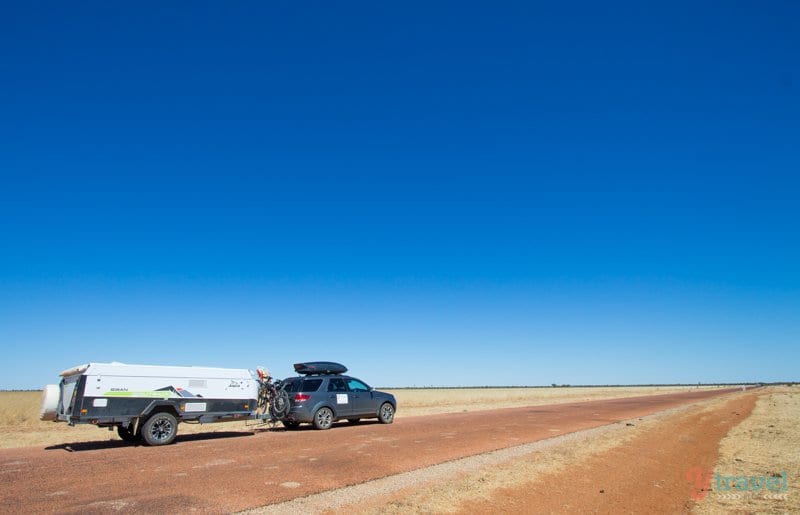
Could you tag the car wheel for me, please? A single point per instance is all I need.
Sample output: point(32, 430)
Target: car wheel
point(353, 420)
point(323, 418)
point(160, 429)
point(127, 435)
point(386, 413)
point(288, 424)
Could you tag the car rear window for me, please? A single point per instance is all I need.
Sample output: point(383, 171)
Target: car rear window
point(311, 385)
point(290, 386)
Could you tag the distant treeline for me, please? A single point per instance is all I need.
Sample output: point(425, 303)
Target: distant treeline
point(554, 385)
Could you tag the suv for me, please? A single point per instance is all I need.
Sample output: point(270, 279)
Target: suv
point(321, 396)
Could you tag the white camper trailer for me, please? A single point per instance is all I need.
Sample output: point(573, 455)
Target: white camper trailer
point(148, 402)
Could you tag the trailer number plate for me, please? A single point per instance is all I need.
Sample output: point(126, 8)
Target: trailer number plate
point(100, 403)
point(195, 406)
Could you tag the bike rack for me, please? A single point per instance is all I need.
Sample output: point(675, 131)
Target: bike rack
point(260, 419)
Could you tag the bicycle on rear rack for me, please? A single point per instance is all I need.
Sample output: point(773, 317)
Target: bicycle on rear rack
point(272, 398)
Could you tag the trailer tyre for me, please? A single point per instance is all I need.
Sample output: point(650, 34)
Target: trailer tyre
point(127, 435)
point(160, 429)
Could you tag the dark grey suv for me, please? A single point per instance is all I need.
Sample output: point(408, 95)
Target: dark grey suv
point(323, 395)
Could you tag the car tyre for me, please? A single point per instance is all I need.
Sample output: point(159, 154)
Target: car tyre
point(323, 418)
point(386, 413)
point(127, 435)
point(160, 429)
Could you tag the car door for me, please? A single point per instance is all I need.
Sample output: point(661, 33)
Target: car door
point(339, 397)
point(361, 397)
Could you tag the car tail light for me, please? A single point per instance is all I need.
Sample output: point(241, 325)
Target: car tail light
point(300, 397)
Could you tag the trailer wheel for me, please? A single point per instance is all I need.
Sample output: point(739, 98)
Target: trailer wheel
point(323, 418)
point(160, 429)
point(127, 435)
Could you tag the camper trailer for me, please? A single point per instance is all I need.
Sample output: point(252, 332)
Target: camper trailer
point(147, 402)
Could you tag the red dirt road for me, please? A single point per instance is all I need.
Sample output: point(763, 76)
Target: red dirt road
point(645, 475)
point(235, 471)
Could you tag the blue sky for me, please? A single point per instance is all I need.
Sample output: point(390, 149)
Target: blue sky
point(450, 194)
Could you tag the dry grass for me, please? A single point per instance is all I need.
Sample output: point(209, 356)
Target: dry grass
point(20, 425)
point(18, 408)
point(767, 443)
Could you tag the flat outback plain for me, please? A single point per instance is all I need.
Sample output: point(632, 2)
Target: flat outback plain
point(531, 450)
point(20, 425)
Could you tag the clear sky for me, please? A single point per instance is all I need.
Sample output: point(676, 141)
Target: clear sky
point(433, 193)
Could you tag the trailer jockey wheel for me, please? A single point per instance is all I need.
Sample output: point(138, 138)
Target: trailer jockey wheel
point(160, 429)
point(127, 435)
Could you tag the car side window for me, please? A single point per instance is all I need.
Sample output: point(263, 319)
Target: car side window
point(336, 385)
point(311, 385)
point(357, 386)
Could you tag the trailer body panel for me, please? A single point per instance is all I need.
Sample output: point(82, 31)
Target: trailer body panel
point(108, 394)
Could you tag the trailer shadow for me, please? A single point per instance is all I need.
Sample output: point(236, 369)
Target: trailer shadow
point(88, 446)
point(118, 444)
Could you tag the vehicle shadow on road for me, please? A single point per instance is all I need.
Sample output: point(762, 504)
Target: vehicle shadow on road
point(308, 427)
point(116, 444)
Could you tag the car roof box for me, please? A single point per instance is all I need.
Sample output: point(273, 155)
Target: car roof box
point(319, 367)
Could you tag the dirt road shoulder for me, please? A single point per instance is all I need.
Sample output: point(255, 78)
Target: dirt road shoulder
point(758, 470)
